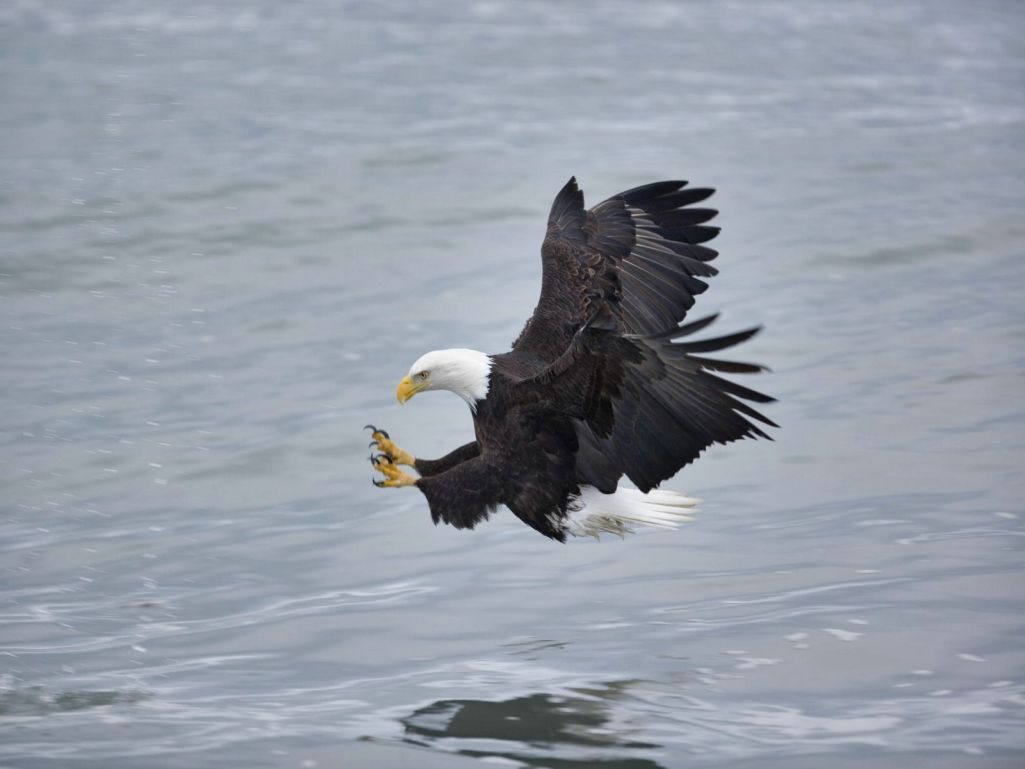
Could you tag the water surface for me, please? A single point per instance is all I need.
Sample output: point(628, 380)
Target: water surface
point(228, 231)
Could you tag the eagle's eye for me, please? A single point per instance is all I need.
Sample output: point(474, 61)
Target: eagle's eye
point(422, 375)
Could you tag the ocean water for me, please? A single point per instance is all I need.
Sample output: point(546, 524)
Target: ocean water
point(227, 230)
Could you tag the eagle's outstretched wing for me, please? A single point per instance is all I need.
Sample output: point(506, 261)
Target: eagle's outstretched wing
point(646, 405)
point(642, 247)
point(617, 281)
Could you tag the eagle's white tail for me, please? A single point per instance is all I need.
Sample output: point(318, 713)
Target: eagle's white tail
point(595, 513)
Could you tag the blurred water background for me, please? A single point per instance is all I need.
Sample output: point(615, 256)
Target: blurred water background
point(227, 229)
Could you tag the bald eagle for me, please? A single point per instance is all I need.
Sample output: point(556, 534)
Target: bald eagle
point(602, 382)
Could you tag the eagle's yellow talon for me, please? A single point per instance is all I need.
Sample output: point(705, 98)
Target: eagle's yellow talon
point(393, 476)
point(398, 456)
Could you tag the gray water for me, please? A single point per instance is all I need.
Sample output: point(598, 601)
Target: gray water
point(227, 231)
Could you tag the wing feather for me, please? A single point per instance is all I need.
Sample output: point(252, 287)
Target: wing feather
point(645, 243)
point(647, 407)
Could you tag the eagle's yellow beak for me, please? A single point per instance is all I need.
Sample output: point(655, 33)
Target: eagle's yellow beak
point(407, 389)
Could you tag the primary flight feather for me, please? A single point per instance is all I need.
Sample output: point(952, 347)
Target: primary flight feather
point(602, 382)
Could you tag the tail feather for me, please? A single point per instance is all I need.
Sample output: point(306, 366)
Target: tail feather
point(596, 513)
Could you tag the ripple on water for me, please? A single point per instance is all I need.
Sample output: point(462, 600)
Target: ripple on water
point(39, 701)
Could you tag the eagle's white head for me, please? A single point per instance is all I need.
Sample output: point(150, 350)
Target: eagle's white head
point(467, 373)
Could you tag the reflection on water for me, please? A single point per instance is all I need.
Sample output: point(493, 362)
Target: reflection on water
point(637, 723)
point(561, 725)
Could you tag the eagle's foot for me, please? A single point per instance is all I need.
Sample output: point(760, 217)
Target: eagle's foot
point(393, 477)
point(396, 455)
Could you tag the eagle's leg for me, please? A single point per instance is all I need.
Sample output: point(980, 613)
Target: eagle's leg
point(383, 441)
point(393, 476)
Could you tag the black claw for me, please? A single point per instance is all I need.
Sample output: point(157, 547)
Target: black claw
point(384, 433)
point(373, 443)
point(378, 484)
point(371, 428)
